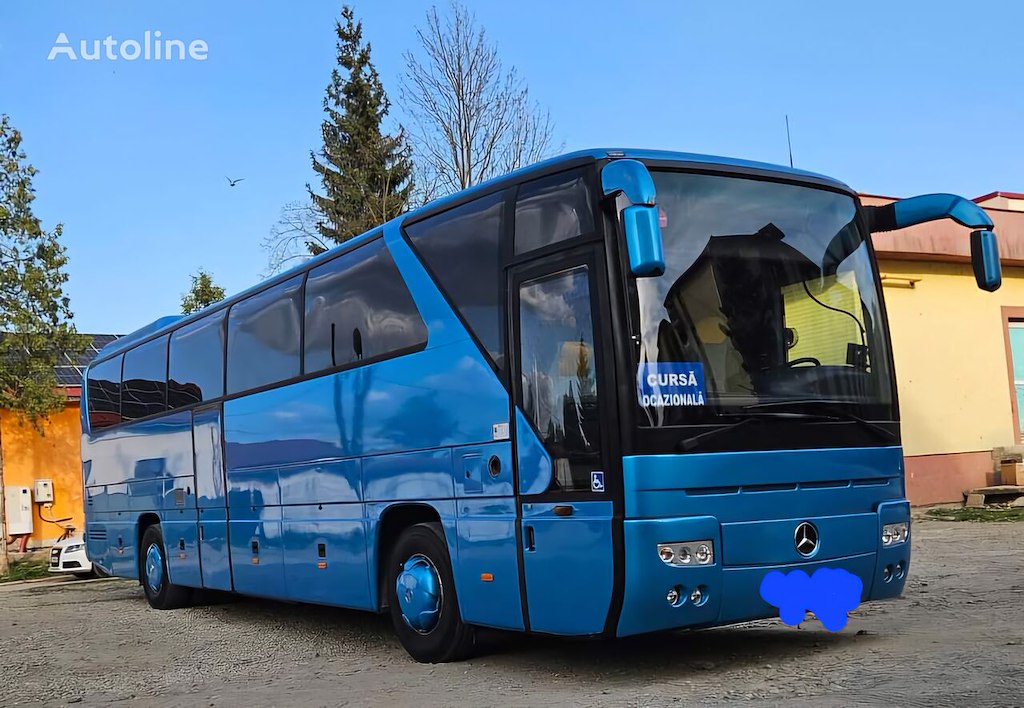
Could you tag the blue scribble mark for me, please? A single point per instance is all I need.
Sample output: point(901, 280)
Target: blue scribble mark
point(830, 594)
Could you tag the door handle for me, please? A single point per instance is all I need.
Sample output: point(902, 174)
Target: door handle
point(563, 510)
point(529, 541)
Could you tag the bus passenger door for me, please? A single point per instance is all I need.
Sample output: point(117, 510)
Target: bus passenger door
point(563, 391)
point(211, 498)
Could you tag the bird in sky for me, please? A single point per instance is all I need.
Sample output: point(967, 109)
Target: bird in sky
point(233, 182)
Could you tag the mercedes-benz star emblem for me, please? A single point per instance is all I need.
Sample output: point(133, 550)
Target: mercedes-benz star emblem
point(806, 539)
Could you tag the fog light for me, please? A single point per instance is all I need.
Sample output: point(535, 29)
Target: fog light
point(887, 573)
point(675, 596)
point(895, 533)
point(704, 554)
point(679, 553)
point(696, 597)
point(898, 571)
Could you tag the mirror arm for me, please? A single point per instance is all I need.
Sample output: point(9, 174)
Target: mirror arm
point(630, 178)
point(927, 207)
point(881, 218)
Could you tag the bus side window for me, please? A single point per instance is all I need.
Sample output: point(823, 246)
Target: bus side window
point(104, 391)
point(263, 337)
point(357, 308)
point(196, 367)
point(553, 209)
point(144, 380)
point(462, 249)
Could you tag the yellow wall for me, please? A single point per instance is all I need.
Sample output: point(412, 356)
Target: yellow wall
point(950, 357)
point(54, 455)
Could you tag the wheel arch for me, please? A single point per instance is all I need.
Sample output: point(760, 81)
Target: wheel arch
point(393, 520)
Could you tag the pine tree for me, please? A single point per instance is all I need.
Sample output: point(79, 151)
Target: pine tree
point(366, 173)
point(202, 293)
point(35, 316)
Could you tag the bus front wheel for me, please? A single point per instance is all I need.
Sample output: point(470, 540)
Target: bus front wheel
point(160, 593)
point(421, 598)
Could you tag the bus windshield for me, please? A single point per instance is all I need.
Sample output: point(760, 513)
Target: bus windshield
point(769, 299)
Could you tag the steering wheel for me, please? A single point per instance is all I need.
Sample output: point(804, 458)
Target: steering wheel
point(805, 360)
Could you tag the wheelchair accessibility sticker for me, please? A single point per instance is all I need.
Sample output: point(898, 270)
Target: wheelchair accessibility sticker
point(597, 481)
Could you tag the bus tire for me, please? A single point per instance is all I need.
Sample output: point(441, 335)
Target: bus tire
point(160, 593)
point(426, 616)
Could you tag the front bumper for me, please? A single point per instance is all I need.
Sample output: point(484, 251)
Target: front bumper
point(730, 589)
point(62, 561)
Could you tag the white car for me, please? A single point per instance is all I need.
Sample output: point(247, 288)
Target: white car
point(68, 556)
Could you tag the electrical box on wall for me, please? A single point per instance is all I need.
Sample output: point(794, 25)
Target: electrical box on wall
point(43, 491)
point(18, 510)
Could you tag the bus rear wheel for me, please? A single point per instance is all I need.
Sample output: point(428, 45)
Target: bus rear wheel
point(160, 593)
point(421, 598)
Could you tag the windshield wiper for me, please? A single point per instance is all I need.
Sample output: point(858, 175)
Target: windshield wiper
point(687, 444)
point(691, 443)
point(744, 419)
point(831, 410)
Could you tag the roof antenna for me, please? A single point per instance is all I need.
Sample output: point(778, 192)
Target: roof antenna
point(789, 141)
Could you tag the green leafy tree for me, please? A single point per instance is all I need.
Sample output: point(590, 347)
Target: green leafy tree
point(365, 172)
point(203, 292)
point(35, 315)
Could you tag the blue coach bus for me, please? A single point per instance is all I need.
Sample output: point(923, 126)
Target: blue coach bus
point(603, 395)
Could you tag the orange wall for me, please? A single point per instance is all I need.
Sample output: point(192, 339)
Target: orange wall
point(56, 455)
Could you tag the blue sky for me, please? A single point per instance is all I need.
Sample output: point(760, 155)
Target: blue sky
point(892, 97)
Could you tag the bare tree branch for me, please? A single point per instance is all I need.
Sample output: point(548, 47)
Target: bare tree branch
point(294, 237)
point(472, 118)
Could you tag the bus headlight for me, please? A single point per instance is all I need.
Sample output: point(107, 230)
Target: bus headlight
point(893, 534)
point(685, 553)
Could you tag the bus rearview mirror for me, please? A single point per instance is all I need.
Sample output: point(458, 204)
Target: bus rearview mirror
point(988, 272)
point(630, 180)
point(643, 240)
point(929, 207)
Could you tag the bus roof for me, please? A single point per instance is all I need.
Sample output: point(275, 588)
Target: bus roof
point(554, 164)
point(580, 156)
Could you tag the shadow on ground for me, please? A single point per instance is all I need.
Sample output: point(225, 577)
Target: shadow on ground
point(652, 656)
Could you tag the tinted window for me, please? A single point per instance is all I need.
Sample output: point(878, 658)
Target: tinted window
point(144, 387)
point(104, 390)
point(358, 307)
point(559, 379)
point(263, 337)
point(197, 362)
point(462, 248)
point(553, 209)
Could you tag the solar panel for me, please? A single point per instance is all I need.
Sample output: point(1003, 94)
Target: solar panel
point(69, 373)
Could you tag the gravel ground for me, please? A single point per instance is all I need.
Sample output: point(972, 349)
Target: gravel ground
point(955, 638)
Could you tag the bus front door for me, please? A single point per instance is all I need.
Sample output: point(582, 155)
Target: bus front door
point(562, 394)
